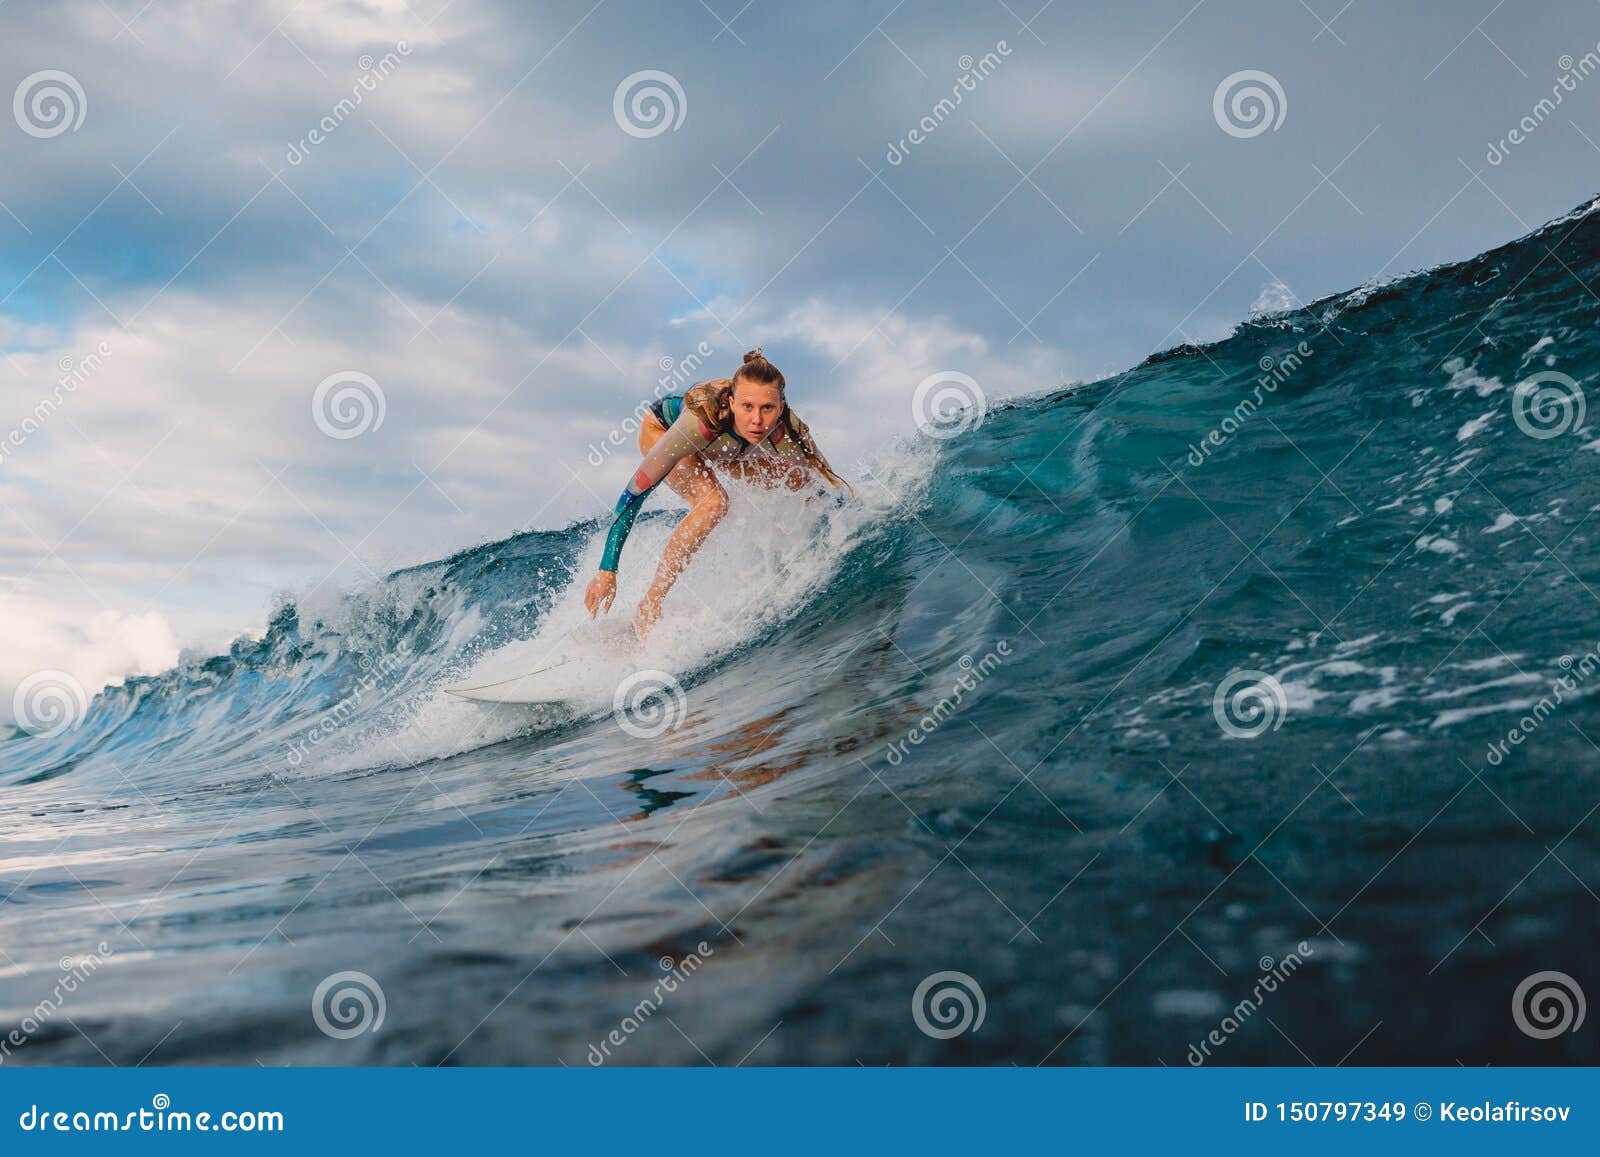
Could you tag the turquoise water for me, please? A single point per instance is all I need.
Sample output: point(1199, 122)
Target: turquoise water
point(972, 726)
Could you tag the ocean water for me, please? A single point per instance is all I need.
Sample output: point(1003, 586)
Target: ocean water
point(1172, 708)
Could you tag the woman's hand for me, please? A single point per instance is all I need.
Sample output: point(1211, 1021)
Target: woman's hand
point(601, 593)
point(646, 617)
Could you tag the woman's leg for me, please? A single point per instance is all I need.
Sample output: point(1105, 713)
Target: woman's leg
point(693, 481)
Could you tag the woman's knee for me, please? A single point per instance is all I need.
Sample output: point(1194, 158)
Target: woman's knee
point(712, 503)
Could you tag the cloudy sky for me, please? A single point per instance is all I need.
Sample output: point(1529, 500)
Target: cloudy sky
point(491, 223)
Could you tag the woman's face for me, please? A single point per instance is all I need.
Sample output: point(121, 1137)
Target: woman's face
point(756, 409)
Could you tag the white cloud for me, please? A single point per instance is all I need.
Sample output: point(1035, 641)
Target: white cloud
point(103, 648)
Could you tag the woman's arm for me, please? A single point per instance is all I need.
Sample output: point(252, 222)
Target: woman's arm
point(685, 436)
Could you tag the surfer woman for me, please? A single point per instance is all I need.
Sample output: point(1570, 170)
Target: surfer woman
point(740, 424)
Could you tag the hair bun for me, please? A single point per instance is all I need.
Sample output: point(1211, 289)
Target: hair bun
point(754, 356)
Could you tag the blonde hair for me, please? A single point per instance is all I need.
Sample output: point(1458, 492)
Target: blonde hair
point(712, 403)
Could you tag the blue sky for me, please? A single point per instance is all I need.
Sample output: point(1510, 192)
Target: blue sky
point(484, 239)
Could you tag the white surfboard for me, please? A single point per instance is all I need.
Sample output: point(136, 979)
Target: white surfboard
point(588, 664)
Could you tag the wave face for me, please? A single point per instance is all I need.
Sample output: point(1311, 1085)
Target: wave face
point(1124, 700)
